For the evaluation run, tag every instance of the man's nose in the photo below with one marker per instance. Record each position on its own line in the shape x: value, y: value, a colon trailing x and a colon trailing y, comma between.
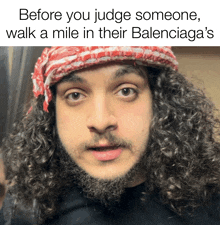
x: 101, y: 116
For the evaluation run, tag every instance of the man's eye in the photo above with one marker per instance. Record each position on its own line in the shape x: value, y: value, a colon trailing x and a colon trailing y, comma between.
x: 75, y: 96
x: 127, y: 92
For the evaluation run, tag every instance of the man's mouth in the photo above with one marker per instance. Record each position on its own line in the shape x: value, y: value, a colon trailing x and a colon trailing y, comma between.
x: 103, y: 148
x: 106, y: 153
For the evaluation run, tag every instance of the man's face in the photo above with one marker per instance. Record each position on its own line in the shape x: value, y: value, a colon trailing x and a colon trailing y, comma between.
x: 103, y: 115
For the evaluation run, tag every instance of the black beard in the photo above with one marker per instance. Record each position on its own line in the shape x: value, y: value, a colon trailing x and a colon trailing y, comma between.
x: 107, y: 192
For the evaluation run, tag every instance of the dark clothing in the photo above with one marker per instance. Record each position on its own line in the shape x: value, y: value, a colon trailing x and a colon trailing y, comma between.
x: 76, y: 209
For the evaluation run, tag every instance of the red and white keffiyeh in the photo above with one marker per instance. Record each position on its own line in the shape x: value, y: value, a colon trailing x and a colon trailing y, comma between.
x: 57, y: 62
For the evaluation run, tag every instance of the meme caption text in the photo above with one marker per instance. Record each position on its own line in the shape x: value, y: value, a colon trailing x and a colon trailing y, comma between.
x: 111, y: 24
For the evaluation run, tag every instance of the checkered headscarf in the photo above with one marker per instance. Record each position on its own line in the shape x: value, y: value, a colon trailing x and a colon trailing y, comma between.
x: 57, y: 62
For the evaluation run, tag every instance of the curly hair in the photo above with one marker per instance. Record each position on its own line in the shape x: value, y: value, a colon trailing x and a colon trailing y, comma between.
x: 183, y: 154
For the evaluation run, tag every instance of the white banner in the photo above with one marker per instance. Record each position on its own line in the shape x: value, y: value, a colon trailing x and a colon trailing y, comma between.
x: 47, y: 23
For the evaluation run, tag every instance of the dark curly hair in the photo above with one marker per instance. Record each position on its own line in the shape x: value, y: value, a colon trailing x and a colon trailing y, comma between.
x: 183, y: 157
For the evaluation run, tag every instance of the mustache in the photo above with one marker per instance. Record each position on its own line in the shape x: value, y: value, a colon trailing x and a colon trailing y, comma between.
x: 110, y: 138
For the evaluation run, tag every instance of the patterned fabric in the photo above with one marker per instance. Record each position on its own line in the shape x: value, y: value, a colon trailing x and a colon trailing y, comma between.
x: 57, y: 62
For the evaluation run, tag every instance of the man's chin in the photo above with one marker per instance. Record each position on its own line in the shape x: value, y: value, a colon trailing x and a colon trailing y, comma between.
x: 106, y: 188
x: 107, y: 191
x: 106, y: 175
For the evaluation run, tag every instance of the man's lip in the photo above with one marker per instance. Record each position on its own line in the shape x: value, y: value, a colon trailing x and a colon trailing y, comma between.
x: 107, y: 154
x: 103, y: 147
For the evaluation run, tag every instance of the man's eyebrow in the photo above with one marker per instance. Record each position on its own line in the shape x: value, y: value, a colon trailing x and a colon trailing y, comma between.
x: 127, y: 69
x: 124, y: 70
x: 72, y: 77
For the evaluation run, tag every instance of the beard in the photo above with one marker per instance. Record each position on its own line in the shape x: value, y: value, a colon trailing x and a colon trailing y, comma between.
x: 106, y: 191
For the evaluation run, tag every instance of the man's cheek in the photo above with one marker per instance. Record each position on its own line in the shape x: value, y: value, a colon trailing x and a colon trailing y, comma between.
x: 134, y: 124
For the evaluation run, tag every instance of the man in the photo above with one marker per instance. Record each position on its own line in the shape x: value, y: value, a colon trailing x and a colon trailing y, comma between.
x: 115, y: 136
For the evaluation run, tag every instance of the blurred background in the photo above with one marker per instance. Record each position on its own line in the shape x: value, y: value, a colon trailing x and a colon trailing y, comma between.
x: 200, y: 64
x: 16, y: 66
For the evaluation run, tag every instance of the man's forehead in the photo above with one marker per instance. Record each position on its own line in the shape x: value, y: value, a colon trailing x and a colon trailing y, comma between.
x: 117, y: 70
